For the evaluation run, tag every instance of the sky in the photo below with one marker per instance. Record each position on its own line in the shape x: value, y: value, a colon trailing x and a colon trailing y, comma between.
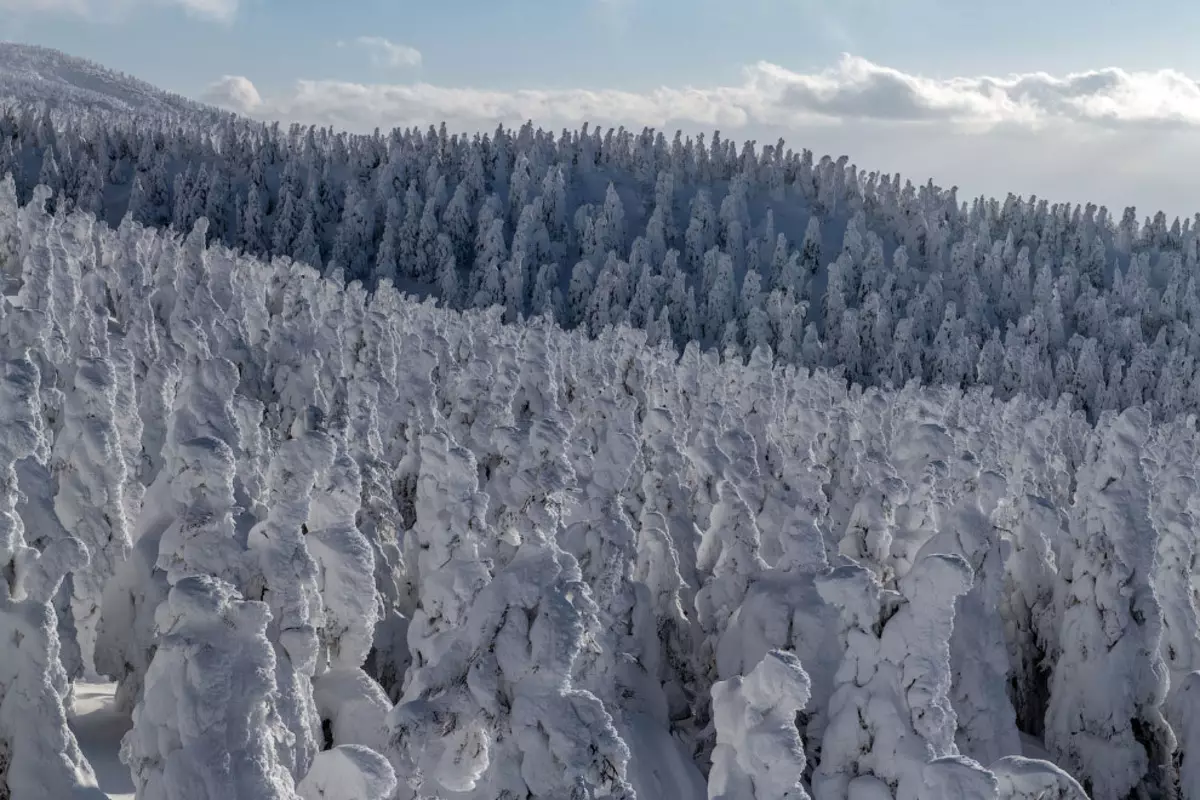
x: 1069, y: 100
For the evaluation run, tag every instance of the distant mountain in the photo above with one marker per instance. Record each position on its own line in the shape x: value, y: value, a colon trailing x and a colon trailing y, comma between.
x: 30, y: 73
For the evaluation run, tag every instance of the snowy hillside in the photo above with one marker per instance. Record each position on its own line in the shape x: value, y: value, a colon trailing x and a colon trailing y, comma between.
x: 40, y: 75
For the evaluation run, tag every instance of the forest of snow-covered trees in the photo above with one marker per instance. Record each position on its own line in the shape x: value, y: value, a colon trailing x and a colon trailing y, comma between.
x: 687, y: 239
x: 594, y: 465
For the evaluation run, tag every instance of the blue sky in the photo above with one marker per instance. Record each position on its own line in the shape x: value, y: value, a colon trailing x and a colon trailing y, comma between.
x: 1093, y: 101
x: 634, y: 44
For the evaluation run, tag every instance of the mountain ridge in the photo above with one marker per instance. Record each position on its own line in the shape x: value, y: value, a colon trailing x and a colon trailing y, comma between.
x: 33, y: 73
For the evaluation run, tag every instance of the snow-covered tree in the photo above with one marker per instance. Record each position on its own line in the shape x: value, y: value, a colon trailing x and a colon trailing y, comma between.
x: 90, y: 468
x: 1111, y: 625
x: 345, y: 564
x: 504, y: 674
x: 890, y: 712
x: 759, y: 753
x: 39, y: 756
x: 207, y: 725
x: 288, y: 581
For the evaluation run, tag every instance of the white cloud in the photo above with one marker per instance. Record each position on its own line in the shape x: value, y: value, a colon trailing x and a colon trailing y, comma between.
x: 1109, y: 135
x: 385, y: 53
x: 107, y: 10
x: 235, y: 93
x: 853, y: 90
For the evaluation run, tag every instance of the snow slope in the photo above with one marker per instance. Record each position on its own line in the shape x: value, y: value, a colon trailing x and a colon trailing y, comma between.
x: 99, y: 729
x: 658, y: 764
x: 41, y: 75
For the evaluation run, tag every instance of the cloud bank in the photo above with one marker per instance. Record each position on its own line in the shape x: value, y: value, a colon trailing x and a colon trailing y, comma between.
x: 855, y: 89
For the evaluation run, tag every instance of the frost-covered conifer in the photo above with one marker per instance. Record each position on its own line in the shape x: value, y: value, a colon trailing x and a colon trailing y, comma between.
x: 871, y: 526
x: 1027, y: 608
x: 306, y: 247
x: 987, y: 728
x: 157, y: 371
x: 1170, y: 462
x: 858, y: 595
x: 380, y: 521
x: 345, y: 565
x: 187, y: 523
x: 50, y: 175
x: 90, y: 471
x: 353, y: 709
x: 351, y: 245
x: 25, y: 331
x: 504, y: 678
x: 129, y: 429
x: 207, y: 727
x: 202, y: 539
x: 728, y: 557
x: 252, y: 225
x: 38, y: 753
x: 288, y: 580
x: 759, y: 754
x: 449, y: 568
x: 10, y: 242
x: 624, y: 670
x: 665, y: 548
x: 918, y: 638
x: 1111, y: 626
x: 890, y: 712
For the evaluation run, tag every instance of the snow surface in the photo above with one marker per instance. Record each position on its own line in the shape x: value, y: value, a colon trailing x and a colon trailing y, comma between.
x: 99, y: 727
x: 658, y: 764
x: 41, y: 74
